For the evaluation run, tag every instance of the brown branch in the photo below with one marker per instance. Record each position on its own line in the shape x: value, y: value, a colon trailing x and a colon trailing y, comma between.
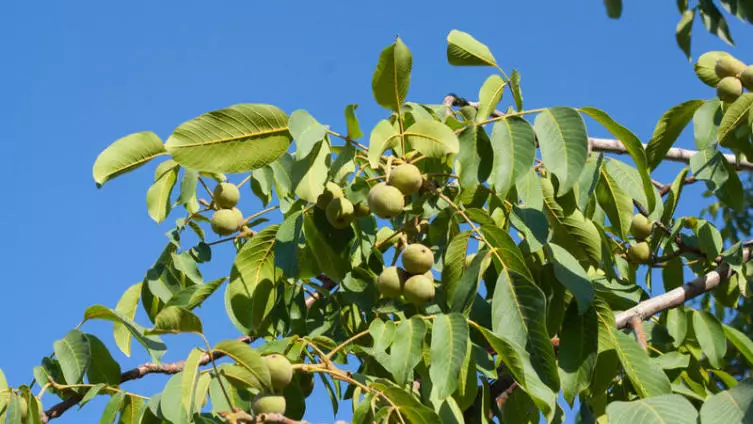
x: 143, y: 370
x: 615, y: 146
x: 678, y: 296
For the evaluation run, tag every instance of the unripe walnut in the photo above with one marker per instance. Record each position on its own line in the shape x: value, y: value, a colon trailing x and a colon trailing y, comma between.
x: 640, y: 227
x: 331, y: 191
x: 269, y: 404
x: 728, y: 66
x: 729, y: 89
x: 406, y: 178
x: 390, y: 282
x: 386, y: 201
x: 746, y: 78
x: 639, y: 253
x: 226, y: 195
x: 340, y: 213
x: 280, y: 371
x: 362, y: 209
x: 225, y: 222
x: 417, y: 258
x: 419, y: 289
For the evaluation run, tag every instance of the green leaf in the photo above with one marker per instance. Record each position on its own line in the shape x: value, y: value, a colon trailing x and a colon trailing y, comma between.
x: 734, y: 116
x: 158, y: 196
x: 710, y: 334
x: 571, y: 274
x: 614, y: 8
x: 153, y: 344
x: 132, y: 411
x: 126, y: 307
x: 102, y: 368
x: 530, y: 191
x: 677, y: 325
x: 93, y: 392
x: 187, y: 196
x: 193, y: 296
x: 384, y: 136
x: 449, y: 337
x: 489, y: 96
x: 474, y: 160
x: 532, y: 224
x: 237, y: 139
x: 667, y: 130
x: 176, y: 319
x: 577, y: 351
x: 246, y: 357
x: 310, y: 173
x: 306, y: 132
x: 112, y: 408
x: 683, y: 31
x: 515, y: 89
x: 464, y: 50
x: 564, y: 144
x: 454, y: 263
x: 518, y: 361
x: 74, y: 355
x: 289, y: 236
x: 170, y: 404
x: 664, y: 409
x: 432, y: 139
x: 738, y: 339
x: 249, y: 297
x: 189, y: 382
x: 729, y: 406
x: 514, y: 145
x: 460, y: 296
x: 714, y: 21
x: 617, y: 204
x: 407, y: 350
x: 632, y: 144
x: 706, y: 124
x: 645, y: 375
x: 330, y: 247
x: 125, y: 155
x: 392, y: 76
x: 354, y: 129
x: 673, y: 197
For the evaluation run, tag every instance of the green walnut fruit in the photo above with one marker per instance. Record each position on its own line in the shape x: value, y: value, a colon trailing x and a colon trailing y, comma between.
x: 639, y: 253
x: 417, y: 258
x: 390, y: 282
x: 280, y: 371
x: 729, y: 89
x: 640, y: 227
x: 226, y: 195
x: 340, y: 213
x: 419, y: 289
x: 226, y: 221
x: 386, y: 201
x: 407, y: 178
x: 269, y: 404
x: 362, y: 209
x: 728, y: 66
x: 746, y: 78
x: 331, y: 191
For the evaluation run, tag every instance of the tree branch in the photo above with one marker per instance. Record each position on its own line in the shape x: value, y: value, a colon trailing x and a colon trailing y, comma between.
x: 143, y: 370
x: 613, y: 146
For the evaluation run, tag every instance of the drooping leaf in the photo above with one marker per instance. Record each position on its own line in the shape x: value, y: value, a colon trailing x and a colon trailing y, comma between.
x: 449, y: 337
x: 170, y: 404
x: 125, y: 155
x: 734, y: 116
x: 464, y: 50
x: 532, y: 224
x: 513, y: 142
x: 729, y: 406
x: 673, y: 197
x: 237, y: 139
x: 189, y: 382
x: 392, y: 76
x: 330, y: 247
x: 432, y: 139
x: 288, y: 238
x: 132, y: 410
x: 250, y: 292
x: 410, y: 409
x: 564, y: 144
x: 664, y: 409
x: 153, y: 344
x: 715, y: 22
x: 384, y: 136
x: 667, y: 130
x: 246, y: 357
x: 158, y: 196
x: 460, y: 296
x: 740, y: 341
x: 112, y: 408
x: 614, y: 8
x: 615, y: 202
x: 683, y: 31
x: 474, y: 160
x: 126, y: 307
x: 489, y: 96
x: 710, y: 334
x: 193, y: 296
x: 407, y: 349
x: 306, y: 132
x: 309, y: 174
x: 632, y: 144
x: 354, y: 128
x: 706, y: 122
x: 176, y: 319
x: 515, y: 89
x: 102, y: 367
x: 454, y: 262
x: 577, y: 351
x: 571, y: 274
x: 74, y: 354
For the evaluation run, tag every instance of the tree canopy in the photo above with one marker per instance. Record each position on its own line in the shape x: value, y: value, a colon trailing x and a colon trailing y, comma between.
x: 464, y: 261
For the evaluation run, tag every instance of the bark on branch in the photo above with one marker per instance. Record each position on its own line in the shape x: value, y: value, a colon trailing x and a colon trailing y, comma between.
x: 613, y: 146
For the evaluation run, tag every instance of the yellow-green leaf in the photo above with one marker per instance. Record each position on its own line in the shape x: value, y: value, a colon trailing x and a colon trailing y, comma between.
x: 392, y: 75
x: 125, y: 155
x: 464, y: 50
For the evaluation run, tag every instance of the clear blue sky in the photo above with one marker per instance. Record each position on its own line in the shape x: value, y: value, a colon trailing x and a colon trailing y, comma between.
x: 78, y: 75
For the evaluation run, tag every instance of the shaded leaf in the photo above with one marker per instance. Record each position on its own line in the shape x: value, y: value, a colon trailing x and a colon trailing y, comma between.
x: 407, y: 349
x: 176, y: 319
x: 246, y: 357
x: 514, y: 145
x: 710, y: 334
x: 74, y: 355
x: 564, y: 144
x: 571, y: 274
x: 664, y: 409
x: 102, y: 367
x: 449, y: 337
x: 392, y: 76
x: 667, y: 130
x: 577, y: 351
x: 158, y: 196
x: 729, y: 406
x: 126, y: 307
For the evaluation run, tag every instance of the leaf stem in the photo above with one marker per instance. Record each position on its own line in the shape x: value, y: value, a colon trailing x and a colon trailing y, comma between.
x: 345, y: 343
x: 214, y: 367
x: 260, y: 213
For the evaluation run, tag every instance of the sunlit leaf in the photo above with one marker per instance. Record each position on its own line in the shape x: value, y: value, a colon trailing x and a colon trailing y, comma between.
x: 464, y: 50
x: 564, y: 144
x: 667, y: 130
x: 125, y: 155
x: 74, y: 354
x: 664, y: 409
x: 392, y: 75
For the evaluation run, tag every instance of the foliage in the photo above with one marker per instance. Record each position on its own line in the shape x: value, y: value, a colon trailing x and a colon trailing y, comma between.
x: 516, y: 246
